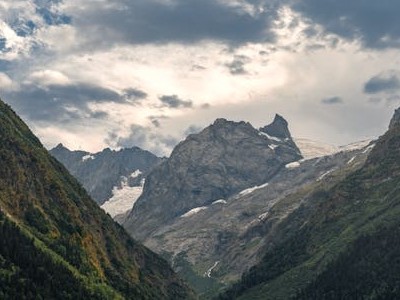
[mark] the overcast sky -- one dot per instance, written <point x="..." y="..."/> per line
<point x="121" y="73"/>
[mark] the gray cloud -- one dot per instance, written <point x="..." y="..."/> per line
<point x="387" y="82"/>
<point x="332" y="100"/>
<point x="173" y="101"/>
<point x="183" y="21"/>
<point x="60" y="103"/>
<point x="192" y="129"/>
<point x="156" y="120"/>
<point x="375" y="23"/>
<point x="237" y="66"/>
<point x="205" y="106"/>
<point x="135" y="95"/>
<point x="144" y="138"/>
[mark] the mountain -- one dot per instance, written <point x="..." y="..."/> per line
<point x="56" y="242"/>
<point x="341" y="242"/>
<point x="212" y="245"/>
<point x="220" y="161"/>
<point x="109" y="176"/>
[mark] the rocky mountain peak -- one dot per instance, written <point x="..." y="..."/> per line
<point x="395" y="119"/>
<point x="223" y="159"/>
<point x="278" y="128"/>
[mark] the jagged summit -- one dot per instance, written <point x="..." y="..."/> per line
<point x="60" y="146"/>
<point x="395" y="121"/>
<point x="278" y="128"/>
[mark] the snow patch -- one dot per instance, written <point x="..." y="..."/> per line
<point x="273" y="146"/>
<point x="293" y="165"/>
<point x="325" y="174"/>
<point x="123" y="198"/>
<point x="351" y="160"/>
<point x="273" y="138"/>
<point x="88" y="157"/>
<point x="368" y="148"/>
<point x="252" y="189"/>
<point x="208" y="273"/>
<point x="193" y="211"/>
<point x="136" y="174"/>
<point x="221" y="201"/>
<point x="263" y="216"/>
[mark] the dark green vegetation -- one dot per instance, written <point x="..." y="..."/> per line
<point x="55" y="242"/>
<point x="343" y="242"/>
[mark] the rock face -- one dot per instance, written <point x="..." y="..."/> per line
<point x="395" y="119"/>
<point x="101" y="172"/>
<point x="222" y="160"/>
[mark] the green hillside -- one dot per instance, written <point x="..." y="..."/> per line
<point x="56" y="243"/>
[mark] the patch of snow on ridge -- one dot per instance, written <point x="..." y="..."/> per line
<point x="325" y="174"/>
<point x="293" y="165"/>
<point x="273" y="146"/>
<point x="136" y="174"/>
<point x="352" y="159"/>
<point x="208" y="273"/>
<point x="263" y="216"/>
<point x="194" y="211"/>
<point x="252" y="189"/>
<point x="221" y="201"/>
<point x="368" y="148"/>
<point x="123" y="198"/>
<point x="273" y="138"/>
<point x="87" y="157"/>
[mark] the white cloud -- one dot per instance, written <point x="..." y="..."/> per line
<point x="5" y="82"/>
<point x="49" y="77"/>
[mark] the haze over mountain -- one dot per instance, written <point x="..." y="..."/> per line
<point x="56" y="243"/>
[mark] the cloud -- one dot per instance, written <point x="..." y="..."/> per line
<point x="5" y="82"/>
<point x="134" y="95"/>
<point x="193" y="129"/>
<point x="332" y="100"/>
<point x="49" y="77"/>
<point x="237" y="66"/>
<point x="173" y="101"/>
<point x="156" y="120"/>
<point x="386" y="82"/>
<point x="60" y="103"/>
<point x="179" y="21"/>
<point x="375" y="24"/>
<point x="145" y="138"/>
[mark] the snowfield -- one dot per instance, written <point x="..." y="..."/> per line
<point x="123" y="197"/>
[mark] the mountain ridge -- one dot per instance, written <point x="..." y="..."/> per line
<point x="51" y="227"/>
